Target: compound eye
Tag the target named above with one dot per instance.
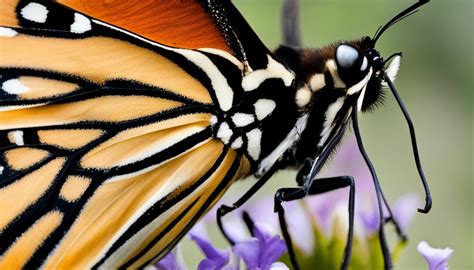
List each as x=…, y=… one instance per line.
x=346, y=56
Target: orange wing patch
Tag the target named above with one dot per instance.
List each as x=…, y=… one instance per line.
x=183, y=24
x=36, y=88
x=8, y=13
x=74, y=187
x=98, y=59
x=69, y=138
x=17, y=196
x=107, y=108
x=24, y=157
x=137, y=148
x=19, y=253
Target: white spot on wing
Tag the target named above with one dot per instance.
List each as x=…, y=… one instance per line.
x=16, y=137
x=303, y=96
x=7, y=32
x=213, y=120
x=254, y=138
x=1, y=169
x=224, y=133
x=242, y=119
x=14, y=87
x=237, y=143
x=264, y=107
x=35, y=12
x=81, y=24
x=273, y=70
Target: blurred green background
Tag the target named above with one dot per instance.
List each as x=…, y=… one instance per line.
x=436, y=83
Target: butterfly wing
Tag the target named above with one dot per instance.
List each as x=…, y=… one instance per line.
x=107, y=154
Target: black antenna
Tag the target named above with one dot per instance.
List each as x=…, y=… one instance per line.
x=402, y=15
x=389, y=82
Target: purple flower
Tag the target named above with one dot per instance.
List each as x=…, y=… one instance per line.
x=215, y=259
x=301, y=229
x=170, y=262
x=261, y=251
x=436, y=258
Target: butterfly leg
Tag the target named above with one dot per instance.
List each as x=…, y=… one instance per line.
x=319, y=186
x=225, y=209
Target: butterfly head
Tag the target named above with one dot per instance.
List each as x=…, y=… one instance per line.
x=330, y=81
x=360, y=66
x=349, y=69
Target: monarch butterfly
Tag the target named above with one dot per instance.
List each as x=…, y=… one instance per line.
x=121, y=123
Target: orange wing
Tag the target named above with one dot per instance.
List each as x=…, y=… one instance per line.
x=183, y=24
x=99, y=128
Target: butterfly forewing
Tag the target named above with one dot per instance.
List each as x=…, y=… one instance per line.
x=100, y=123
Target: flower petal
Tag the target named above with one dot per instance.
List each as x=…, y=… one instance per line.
x=274, y=249
x=279, y=266
x=262, y=232
x=207, y=264
x=168, y=262
x=218, y=257
x=437, y=258
x=249, y=251
x=199, y=229
x=271, y=247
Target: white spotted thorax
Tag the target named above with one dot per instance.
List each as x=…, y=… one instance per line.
x=247, y=124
